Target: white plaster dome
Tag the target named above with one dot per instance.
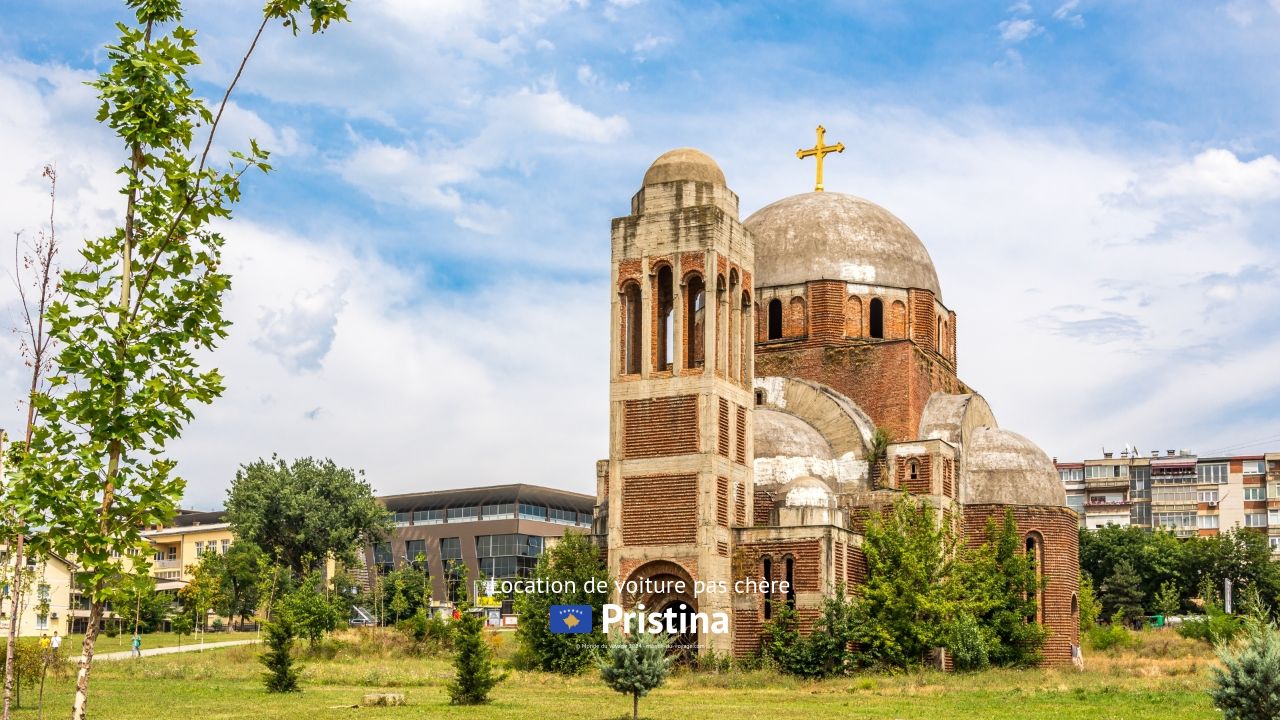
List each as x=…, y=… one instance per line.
x=781, y=434
x=684, y=164
x=807, y=491
x=1005, y=468
x=834, y=236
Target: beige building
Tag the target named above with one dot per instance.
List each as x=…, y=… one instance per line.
x=178, y=547
x=47, y=597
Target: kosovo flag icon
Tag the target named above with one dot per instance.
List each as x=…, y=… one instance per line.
x=570, y=619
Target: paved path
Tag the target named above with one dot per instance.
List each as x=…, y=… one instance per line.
x=194, y=647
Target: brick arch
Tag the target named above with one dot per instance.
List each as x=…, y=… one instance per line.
x=795, y=324
x=896, y=322
x=853, y=316
x=661, y=571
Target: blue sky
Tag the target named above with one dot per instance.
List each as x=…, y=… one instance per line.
x=420, y=285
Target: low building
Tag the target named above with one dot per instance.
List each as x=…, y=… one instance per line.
x=496, y=532
x=179, y=545
x=48, y=594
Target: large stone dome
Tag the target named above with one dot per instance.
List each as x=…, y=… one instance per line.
x=833, y=236
x=684, y=164
x=1005, y=468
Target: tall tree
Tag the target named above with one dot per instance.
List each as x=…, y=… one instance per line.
x=1000, y=587
x=302, y=512
x=145, y=304
x=573, y=563
x=1122, y=592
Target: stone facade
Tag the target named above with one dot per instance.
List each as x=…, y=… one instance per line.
x=743, y=416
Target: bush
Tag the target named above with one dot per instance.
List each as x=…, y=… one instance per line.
x=1247, y=686
x=1106, y=637
x=575, y=564
x=635, y=667
x=281, y=675
x=1214, y=627
x=431, y=635
x=473, y=662
x=968, y=646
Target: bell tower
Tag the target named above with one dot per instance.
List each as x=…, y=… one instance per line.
x=681, y=367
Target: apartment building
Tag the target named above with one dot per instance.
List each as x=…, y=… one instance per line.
x=48, y=595
x=1176, y=490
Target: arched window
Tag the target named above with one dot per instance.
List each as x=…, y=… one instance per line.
x=897, y=320
x=913, y=468
x=744, y=353
x=695, y=321
x=665, y=335
x=766, y=572
x=877, y=318
x=726, y=325
x=775, y=319
x=938, y=338
x=1035, y=555
x=631, y=324
x=853, y=316
x=791, y=582
x=797, y=318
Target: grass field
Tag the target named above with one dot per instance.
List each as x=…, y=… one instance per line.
x=105, y=644
x=1164, y=677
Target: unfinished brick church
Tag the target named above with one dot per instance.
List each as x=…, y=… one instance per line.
x=751, y=364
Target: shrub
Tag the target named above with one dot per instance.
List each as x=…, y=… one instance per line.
x=473, y=663
x=575, y=564
x=1247, y=686
x=968, y=646
x=431, y=634
x=1106, y=637
x=1214, y=627
x=635, y=667
x=281, y=675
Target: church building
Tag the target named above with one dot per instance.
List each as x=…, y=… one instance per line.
x=751, y=365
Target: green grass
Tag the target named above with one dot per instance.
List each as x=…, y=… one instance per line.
x=72, y=643
x=225, y=684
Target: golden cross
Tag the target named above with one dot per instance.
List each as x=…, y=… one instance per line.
x=818, y=151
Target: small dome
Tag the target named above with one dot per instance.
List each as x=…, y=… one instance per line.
x=781, y=434
x=1005, y=468
x=684, y=164
x=806, y=491
x=833, y=236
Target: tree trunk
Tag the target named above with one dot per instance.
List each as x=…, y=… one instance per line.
x=44, y=671
x=79, y=706
x=15, y=615
x=635, y=706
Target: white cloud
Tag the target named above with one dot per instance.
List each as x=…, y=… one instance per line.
x=1066, y=12
x=300, y=334
x=551, y=113
x=239, y=124
x=1218, y=174
x=649, y=43
x=1021, y=7
x=1017, y=30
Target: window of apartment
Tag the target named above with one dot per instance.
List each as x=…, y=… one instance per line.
x=1275, y=543
x=428, y=517
x=563, y=516
x=462, y=514
x=1254, y=467
x=450, y=548
x=414, y=549
x=1255, y=519
x=1255, y=493
x=1105, y=471
x=402, y=519
x=532, y=512
x=1075, y=502
x=1071, y=474
x=382, y=559
x=1174, y=520
x=498, y=511
x=226, y=545
x=1212, y=473
x=199, y=548
x=1173, y=495
x=1273, y=517
x=1207, y=496
x=42, y=622
x=1207, y=521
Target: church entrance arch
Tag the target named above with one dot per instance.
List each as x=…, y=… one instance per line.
x=669, y=587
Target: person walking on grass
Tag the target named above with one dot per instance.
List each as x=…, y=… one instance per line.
x=55, y=642
x=137, y=646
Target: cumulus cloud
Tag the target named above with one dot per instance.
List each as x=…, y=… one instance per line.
x=1067, y=12
x=301, y=333
x=1218, y=173
x=1016, y=30
x=646, y=46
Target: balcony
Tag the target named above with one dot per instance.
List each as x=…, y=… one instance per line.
x=1107, y=482
x=167, y=564
x=1103, y=505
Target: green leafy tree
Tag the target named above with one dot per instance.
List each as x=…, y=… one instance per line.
x=576, y=565
x=182, y=624
x=302, y=512
x=635, y=667
x=312, y=610
x=1247, y=685
x=406, y=588
x=782, y=643
x=1168, y=600
x=474, y=675
x=904, y=610
x=239, y=577
x=1122, y=592
x=827, y=650
x=1090, y=610
x=135, y=599
x=145, y=303
x=282, y=673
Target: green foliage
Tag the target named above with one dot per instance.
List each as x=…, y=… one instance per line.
x=903, y=611
x=574, y=561
x=1214, y=626
x=1247, y=685
x=182, y=624
x=1088, y=604
x=473, y=663
x=968, y=644
x=1121, y=593
x=431, y=634
x=299, y=513
x=28, y=662
x=635, y=667
x=312, y=610
x=235, y=579
x=408, y=591
x=282, y=674
x=999, y=587
x=1167, y=601
x=826, y=651
x=135, y=597
x=1114, y=635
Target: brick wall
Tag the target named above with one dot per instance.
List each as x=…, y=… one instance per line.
x=659, y=509
x=740, y=453
x=922, y=484
x=826, y=309
x=722, y=430
x=1059, y=528
x=763, y=507
x=654, y=427
x=923, y=321
x=722, y=501
x=806, y=573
